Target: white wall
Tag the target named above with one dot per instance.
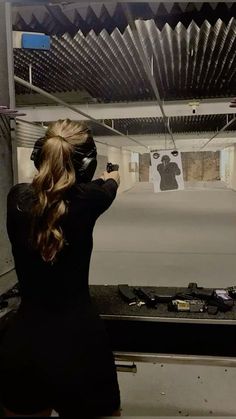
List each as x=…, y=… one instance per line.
x=233, y=168
x=229, y=172
x=224, y=163
x=123, y=158
x=26, y=169
x=228, y=166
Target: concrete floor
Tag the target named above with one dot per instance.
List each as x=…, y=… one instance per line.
x=170, y=238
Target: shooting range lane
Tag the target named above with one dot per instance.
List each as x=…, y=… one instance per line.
x=167, y=239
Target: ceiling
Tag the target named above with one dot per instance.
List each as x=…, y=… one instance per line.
x=56, y=19
x=191, y=48
x=179, y=124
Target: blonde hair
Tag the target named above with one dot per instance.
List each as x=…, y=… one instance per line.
x=55, y=177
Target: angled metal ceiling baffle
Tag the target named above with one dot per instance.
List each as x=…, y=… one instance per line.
x=194, y=62
x=192, y=45
x=56, y=19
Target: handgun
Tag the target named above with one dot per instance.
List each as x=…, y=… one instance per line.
x=200, y=292
x=148, y=297
x=164, y=296
x=184, y=296
x=127, y=294
x=112, y=167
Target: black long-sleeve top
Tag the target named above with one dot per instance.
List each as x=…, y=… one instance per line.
x=66, y=280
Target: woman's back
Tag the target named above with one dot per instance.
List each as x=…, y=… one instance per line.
x=66, y=278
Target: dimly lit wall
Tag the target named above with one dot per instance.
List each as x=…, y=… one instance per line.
x=199, y=166
x=6, y=172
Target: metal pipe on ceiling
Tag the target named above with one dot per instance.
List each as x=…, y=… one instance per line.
x=147, y=68
x=73, y=108
x=218, y=132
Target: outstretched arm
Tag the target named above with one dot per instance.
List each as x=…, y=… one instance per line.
x=103, y=192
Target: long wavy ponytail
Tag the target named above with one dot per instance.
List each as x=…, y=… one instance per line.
x=56, y=175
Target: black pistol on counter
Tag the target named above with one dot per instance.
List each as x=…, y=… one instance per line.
x=127, y=294
x=147, y=296
x=200, y=292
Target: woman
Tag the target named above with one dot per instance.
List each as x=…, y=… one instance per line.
x=56, y=354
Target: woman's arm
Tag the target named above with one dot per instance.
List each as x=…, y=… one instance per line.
x=103, y=192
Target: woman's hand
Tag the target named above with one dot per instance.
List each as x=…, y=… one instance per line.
x=112, y=175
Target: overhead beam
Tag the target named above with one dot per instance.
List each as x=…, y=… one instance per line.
x=128, y=110
x=224, y=128
x=72, y=108
x=185, y=142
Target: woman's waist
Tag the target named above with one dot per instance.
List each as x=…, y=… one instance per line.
x=55, y=302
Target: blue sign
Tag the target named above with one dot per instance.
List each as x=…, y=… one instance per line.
x=35, y=41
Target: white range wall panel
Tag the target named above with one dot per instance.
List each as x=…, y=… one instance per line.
x=232, y=167
x=223, y=163
x=27, y=133
x=123, y=158
x=26, y=169
x=129, y=177
x=101, y=149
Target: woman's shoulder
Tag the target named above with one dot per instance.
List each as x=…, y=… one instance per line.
x=20, y=189
x=19, y=194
